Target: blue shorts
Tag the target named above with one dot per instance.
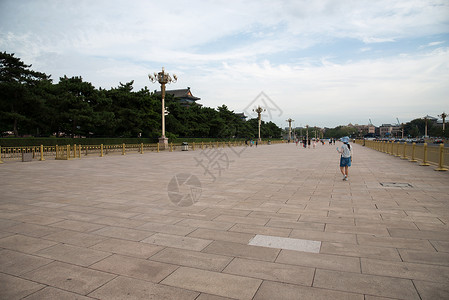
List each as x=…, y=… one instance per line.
x=345, y=161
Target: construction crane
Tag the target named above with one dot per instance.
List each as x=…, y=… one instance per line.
x=370, y=123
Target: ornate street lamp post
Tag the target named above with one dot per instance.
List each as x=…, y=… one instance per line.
x=163, y=78
x=443, y=116
x=259, y=111
x=290, y=128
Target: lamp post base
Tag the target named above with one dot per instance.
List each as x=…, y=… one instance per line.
x=163, y=143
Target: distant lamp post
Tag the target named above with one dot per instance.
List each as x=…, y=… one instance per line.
x=290, y=128
x=259, y=110
x=163, y=78
x=443, y=116
x=307, y=133
x=425, y=128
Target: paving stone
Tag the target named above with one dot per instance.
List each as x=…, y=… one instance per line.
x=33, y=230
x=77, y=226
x=129, y=248
x=405, y=270
x=69, y=277
x=441, y=246
x=176, y=241
x=214, y=283
x=73, y=254
x=75, y=238
x=358, y=229
x=135, y=289
x=16, y=288
x=37, y=219
x=318, y=260
x=271, y=271
x=226, y=236
x=24, y=243
x=204, y=296
x=166, y=228
x=240, y=250
x=257, y=229
x=123, y=233
x=134, y=267
x=442, y=235
x=241, y=220
x=119, y=222
x=277, y=290
x=296, y=225
x=432, y=290
x=16, y=263
x=324, y=236
x=382, y=253
x=215, y=225
x=285, y=243
x=193, y=259
x=51, y=293
x=400, y=243
x=427, y=257
x=365, y=284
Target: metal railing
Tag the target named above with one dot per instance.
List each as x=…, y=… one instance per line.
x=67, y=152
x=425, y=155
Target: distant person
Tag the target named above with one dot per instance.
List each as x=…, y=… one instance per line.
x=308, y=143
x=256, y=143
x=345, y=158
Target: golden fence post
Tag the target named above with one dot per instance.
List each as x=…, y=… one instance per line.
x=1, y=155
x=123, y=149
x=404, y=154
x=424, y=162
x=157, y=147
x=68, y=151
x=441, y=160
x=57, y=151
x=202, y=145
x=42, y=153
x=74, y=150
x=413, y=159
x=392, y=148
x=79, y=151
x=101, y=150
x=193, y=146
x=397, y=149
x=171, y=147
x=141, y=148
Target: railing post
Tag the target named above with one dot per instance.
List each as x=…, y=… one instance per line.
x=42, y=153
x=202, y=145
x=74, y=150
x=141, y=148
x=171, y=147
x=193, y=146
x=157, y=147
x=101, y=150
x=404, y=154
x=424, y=162
x=68, y=152
x=413, y=159
x=123, y=149
x=397, y=149
x=1, y=155
x=441, y=160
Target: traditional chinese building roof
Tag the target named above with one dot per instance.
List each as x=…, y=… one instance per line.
x=184, y=96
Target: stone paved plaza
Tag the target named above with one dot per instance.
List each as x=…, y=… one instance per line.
x=273, y=222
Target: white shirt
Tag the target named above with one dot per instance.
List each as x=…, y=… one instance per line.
x=345, y=151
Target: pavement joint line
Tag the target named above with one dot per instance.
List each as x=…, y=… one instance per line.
x=285, y=243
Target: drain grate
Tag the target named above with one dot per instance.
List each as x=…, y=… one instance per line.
x=396, y=184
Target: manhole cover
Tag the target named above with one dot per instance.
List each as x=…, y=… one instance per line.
x=396, y=184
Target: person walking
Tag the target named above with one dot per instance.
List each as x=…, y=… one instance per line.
x=346, y=157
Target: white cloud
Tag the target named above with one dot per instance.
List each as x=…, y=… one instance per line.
x=229, y=51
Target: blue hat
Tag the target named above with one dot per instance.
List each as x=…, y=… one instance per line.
x=345, y=139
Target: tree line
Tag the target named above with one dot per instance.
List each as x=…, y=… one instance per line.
x=32, y=105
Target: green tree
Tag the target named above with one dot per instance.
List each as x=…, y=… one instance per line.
x=19, y=107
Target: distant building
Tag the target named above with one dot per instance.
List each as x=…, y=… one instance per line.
x=183, y=96
x=389, y=130
x=241, y=116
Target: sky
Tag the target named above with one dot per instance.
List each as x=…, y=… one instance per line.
x=321, y=63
